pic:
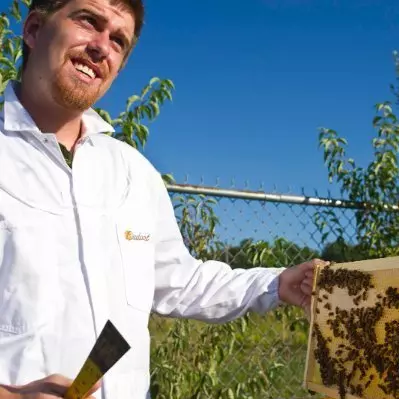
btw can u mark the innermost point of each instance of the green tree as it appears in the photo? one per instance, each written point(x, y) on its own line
point(340, 251)
point(10, 44)
point(237, 255)
point(198, 221)
point(279, 253)
point(373, 189)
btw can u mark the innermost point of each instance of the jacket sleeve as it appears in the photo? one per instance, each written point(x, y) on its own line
point(210, 291)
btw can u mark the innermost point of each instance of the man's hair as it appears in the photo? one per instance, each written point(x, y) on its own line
point(49, 7)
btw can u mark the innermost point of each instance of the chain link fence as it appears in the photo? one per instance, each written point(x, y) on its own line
point(256, 356)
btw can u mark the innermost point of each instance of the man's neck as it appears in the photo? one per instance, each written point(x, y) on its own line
point(51, 118)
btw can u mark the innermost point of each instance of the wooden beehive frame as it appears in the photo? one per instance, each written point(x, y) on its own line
point(387, 264)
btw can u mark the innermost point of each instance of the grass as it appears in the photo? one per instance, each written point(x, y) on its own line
point(253, 357)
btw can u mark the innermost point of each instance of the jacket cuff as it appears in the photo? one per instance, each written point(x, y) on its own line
point(270, 299)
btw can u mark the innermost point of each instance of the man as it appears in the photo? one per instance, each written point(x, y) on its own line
point(87, 229)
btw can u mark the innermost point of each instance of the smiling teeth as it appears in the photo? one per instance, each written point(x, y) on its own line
point(85, 69)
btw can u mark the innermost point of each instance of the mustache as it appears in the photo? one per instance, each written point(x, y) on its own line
point(83, 56)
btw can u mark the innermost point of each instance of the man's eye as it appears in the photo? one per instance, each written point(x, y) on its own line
point(119, 41)
point(90, 20)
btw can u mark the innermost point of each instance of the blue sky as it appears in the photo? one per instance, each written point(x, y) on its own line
point(254, 82)
point(256, 79)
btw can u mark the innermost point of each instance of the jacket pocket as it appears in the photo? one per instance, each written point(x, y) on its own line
point(26, 278)
point(12, 320)
point(137, 255)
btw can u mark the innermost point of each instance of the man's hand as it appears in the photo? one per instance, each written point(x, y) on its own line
point(295, 284)
point(54, 386)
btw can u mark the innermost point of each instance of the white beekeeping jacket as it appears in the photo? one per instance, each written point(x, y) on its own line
point(96, 242)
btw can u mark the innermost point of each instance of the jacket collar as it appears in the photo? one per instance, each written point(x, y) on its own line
point(17, 118)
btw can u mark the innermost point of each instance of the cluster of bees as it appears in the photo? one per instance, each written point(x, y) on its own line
point(359, 355)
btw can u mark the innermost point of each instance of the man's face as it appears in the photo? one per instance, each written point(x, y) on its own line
point(77, 52)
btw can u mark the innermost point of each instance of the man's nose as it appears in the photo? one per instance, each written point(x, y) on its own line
point(99, 47)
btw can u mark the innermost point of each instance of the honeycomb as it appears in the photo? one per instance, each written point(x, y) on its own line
point(353, 346)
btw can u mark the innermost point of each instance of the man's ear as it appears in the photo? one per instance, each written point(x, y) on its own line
point(32, 25)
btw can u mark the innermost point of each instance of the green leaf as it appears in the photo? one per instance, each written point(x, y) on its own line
point(167, 94)
point(244, 324)
point(15, 11)
point(168, 178)
point(147, 110)
point(142, 134)
point(5, 22)
point(169, 84)
point(155, 109)
point(131, 100)
point(5, 61)
point(17, 55)
point(128, 140)
point(128, 129)
point(117, 122)
point(154, 80)
point(104, 114)
point(9, 47)
point(145, 91)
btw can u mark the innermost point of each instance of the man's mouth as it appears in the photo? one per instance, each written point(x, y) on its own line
point(85, 69)
point(90, 71)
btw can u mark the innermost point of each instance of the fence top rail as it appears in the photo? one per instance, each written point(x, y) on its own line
point(271, 197)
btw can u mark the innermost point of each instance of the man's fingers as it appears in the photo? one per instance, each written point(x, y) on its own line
point(95, 388)
point(306, 288)
point(308, 279)
point(58, 379)
point(308, 267)
point(297, 281)
point(320, 262)
point(54, 385)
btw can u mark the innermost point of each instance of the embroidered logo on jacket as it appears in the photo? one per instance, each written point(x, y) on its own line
point(130, 236)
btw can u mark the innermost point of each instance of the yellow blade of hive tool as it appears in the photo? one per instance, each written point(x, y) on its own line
point(109, 348)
